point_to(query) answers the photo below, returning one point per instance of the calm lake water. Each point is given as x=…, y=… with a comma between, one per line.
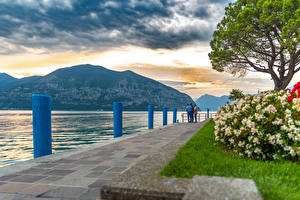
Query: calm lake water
x=69, y=130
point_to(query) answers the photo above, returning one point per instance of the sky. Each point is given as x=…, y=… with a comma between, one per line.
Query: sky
x=166, y=40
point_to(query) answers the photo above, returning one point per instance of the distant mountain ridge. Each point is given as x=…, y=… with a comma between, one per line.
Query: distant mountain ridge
x=211, y=102
x=88, y=87
x=8, y=81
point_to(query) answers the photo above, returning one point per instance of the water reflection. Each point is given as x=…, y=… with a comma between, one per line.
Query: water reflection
x=69, y=130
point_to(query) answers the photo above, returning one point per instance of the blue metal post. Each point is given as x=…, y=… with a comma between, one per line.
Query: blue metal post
x=117, y=119
x=41, y=118
x=150, y=117
x=174, y=115
x=165, y=116
x=207, y=113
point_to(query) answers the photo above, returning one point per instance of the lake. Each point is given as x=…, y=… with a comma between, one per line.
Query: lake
x=69, y=130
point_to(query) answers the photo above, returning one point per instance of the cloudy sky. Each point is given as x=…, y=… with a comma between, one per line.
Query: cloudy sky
x=167, y=40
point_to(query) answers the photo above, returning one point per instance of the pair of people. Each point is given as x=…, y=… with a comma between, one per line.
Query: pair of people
x=192, y=112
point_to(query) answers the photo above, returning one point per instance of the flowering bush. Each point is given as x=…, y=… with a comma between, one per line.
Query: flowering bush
x=264, y=127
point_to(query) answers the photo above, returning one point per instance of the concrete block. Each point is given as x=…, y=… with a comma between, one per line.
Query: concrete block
x=222, y=188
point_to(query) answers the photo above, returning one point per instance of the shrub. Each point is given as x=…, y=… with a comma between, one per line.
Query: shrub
x=266, y=126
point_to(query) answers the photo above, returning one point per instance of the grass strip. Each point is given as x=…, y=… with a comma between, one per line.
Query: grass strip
x=202, y=155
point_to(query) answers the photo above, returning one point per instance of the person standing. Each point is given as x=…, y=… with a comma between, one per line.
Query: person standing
x=187, y=109
x=195, y=113
x=192, y=112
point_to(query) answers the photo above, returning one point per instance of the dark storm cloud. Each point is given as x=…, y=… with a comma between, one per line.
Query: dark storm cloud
x=60, y=25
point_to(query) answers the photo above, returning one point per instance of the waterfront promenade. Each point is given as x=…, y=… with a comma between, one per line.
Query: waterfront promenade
x=80, y=173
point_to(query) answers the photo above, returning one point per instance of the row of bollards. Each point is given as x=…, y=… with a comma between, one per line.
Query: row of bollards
x=41, y=117
x=117, y=108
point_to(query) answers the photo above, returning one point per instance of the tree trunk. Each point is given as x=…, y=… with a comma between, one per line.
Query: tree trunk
x=276, y=80
x=281, y=84
x=278, y=85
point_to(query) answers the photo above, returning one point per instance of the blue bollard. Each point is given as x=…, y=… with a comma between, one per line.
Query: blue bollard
x=150, y=117
x=165, y=116
x=174, y=115
x=207, y=113
x=117, y=119
x=41, y=119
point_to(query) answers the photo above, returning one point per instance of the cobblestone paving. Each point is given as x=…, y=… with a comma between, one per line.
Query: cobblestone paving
x=81, y=176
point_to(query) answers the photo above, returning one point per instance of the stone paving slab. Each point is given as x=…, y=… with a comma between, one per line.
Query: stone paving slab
x=80, y=174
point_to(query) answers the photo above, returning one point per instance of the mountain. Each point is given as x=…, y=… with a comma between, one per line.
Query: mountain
x=27, y=79
x=211, y=102
x=88, y=87
x=8, y=81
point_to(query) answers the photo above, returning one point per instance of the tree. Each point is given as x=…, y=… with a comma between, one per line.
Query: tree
x=236, y=94
x=261, y=36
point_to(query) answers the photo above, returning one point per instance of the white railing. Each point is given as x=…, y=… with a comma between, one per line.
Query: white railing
x=200, y=116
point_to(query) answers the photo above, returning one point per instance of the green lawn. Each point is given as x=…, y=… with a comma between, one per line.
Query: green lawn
x=203, y=156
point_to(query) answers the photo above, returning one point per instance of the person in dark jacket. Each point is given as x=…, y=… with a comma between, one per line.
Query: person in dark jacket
x=189, y=110
x=192, y=113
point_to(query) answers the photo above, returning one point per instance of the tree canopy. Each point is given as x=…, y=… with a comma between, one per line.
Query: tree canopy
x=236, y=94
x=261, y=36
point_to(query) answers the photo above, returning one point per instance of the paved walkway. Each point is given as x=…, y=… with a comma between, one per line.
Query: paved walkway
x=80, y=176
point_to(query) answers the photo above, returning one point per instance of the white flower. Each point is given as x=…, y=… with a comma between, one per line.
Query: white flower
x=292, y=152
x=241, y=144
x=258, y=107
x=237, y=132
x=244, y=121
x=227, y=131
x=249, y=153
x=256, y=140
x=277, y=121
x=272, y=140
x=275, y=157
x=258, y=116
x=270, y=109
x=250, y=138
x=291, y=135
x=278, y=136
x=254, y=130
x=235, y=120
x=257, y=150
x=280, y=142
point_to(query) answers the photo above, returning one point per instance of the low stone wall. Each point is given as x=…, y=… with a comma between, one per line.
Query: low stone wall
x=142, y=181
